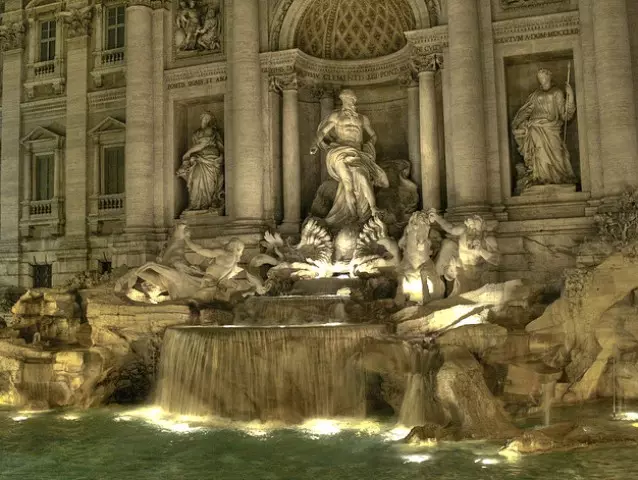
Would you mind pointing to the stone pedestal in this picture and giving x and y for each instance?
(466, 106)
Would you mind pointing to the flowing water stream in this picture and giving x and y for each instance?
(267, 373)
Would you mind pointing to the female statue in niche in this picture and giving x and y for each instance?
(203, 167)
(538, 131)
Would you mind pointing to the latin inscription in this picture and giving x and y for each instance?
(195, 82)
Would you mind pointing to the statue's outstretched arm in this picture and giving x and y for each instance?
(447, 226)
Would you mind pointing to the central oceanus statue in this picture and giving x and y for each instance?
(351, 162)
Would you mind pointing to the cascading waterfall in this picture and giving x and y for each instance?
(266, 373)
(419, 402)
(36, 381)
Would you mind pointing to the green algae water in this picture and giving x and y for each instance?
(115, 444)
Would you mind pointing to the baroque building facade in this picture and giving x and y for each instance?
(121, 118)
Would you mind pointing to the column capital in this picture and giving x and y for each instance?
(409, 79)
(12, 36)
(323, 90)
(77, 21)
(281, 83)
(430, 62)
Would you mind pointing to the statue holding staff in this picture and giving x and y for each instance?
(538, 131)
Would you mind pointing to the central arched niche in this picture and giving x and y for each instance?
(289, 16)
(353, 29)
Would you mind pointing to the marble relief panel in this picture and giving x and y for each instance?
(544, 148)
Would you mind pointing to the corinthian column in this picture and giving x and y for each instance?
(428, 131)
(414, 135)
(291, 165)
(466, 106)
(10, 170)
(11, 44)
(139, 169)
(77, 120)
(616, 107)
(246, 129)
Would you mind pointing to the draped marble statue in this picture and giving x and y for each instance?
(538, 131)
(351, 162)
(203, 168)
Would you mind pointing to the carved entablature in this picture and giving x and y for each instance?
(12, 36)
(425, 42)
(510, 4)
(316, 73)
(194, 76)
(535, 28)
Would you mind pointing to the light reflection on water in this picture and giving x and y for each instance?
(148, 444)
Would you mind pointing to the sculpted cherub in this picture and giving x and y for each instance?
(418, 279)
(461, 258)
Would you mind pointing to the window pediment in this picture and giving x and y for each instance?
(42, 139)
(109, 130)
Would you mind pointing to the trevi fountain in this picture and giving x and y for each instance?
(372, 330)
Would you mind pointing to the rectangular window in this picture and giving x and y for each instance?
(47, 40)
(113, 169)
(44, 165)
(114, 27)
(42, 275)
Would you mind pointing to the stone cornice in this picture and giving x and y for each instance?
(110, 99)
(535, 28)
(195, 75)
